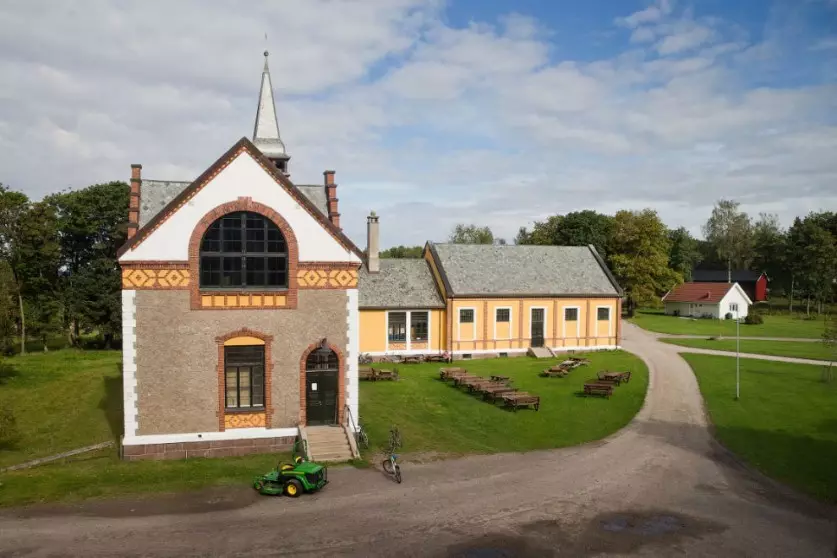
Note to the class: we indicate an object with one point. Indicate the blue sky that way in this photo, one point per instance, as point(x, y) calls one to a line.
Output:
point(433, 112)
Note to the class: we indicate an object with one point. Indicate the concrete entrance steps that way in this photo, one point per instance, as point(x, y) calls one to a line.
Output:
point(328, 443)
point(540, 352)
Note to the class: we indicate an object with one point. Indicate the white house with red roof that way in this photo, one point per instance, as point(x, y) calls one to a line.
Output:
point(707, 300)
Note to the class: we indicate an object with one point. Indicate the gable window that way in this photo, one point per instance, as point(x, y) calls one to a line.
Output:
point(418, 326)
point(243, 249)
point(571, 314)
point(244, 377)
point(397, 327)
point(603, 314)
point(466, 316)
point(503, 315)
point(733, 307)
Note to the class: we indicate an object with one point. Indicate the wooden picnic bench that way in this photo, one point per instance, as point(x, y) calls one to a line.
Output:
point(437, 358)
point(448, 373)
point(385, 374)
point(485, 384)
point(617, 377)
point(413, 359)
point(521, 399)
point(495, 392)
point(461, 379)
point(366, 373)
point(598, 388)
point(497, 378)
point(555, 372)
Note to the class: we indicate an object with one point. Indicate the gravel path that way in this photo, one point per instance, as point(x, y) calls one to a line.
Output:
point(681, 349)
point(659, 487)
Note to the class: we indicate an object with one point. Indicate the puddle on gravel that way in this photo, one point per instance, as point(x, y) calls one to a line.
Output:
point(610, 533)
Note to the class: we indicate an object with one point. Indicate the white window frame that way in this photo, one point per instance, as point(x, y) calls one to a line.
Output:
point(459, 323)
point(510, 322)
point(545, 322)
point(577, 322)
point(609, 320)
point(409, 321)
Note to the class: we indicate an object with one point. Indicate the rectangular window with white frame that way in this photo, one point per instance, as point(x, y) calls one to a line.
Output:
point(419, 326)
point(466, 316)
point(503, 315)
point(603, 314)
point(397, 328)
point(571, 326)
point(733, 307)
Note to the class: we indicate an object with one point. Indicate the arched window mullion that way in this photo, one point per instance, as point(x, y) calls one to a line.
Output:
point(253, 265)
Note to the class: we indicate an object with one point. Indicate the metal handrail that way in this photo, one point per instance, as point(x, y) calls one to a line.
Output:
point(350, 420)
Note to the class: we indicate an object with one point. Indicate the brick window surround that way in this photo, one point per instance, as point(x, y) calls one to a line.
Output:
point(268, 373)
point(341, 382)
point(242, 204)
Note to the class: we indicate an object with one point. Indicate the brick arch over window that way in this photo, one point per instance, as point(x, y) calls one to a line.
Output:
point(341, 381)
point(268, 372)
point(242, 204)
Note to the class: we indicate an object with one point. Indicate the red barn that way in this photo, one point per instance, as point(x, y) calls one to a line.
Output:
point(753, 282)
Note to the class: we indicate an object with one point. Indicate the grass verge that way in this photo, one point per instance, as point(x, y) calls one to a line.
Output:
point(785, 423)
point(773, 326)
point(798, 349)
point(436, 418)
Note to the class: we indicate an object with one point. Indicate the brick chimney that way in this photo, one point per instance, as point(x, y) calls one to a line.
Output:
point(331, 194)
point(372, 262)
point(134, 202)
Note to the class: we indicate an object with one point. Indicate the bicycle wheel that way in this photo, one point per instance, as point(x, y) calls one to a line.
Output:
point(363, 439)
point(397, 473)
point(388, 466)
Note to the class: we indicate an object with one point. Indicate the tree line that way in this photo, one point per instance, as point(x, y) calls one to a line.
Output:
point(58, 270)
point(648, 258)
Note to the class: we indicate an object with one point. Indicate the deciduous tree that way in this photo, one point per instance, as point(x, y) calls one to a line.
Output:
point(685, 252)
point(471, 234)
point(579, 228)
point(729, 231)
point(402, 252)
point(812, 254)
point(640, 256)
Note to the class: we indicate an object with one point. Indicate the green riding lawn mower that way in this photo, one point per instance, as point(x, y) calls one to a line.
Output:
point(292, 479)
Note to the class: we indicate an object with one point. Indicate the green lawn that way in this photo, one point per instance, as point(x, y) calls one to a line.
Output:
point(785, 423)
point(61, 400)
point(103, 474)
point(436, 418)
point(797, 349)
point(773, 326)
point(69, 399)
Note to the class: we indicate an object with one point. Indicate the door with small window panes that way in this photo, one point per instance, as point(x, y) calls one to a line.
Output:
point(322, 369)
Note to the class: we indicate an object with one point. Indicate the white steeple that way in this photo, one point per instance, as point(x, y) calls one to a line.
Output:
point(266, 131)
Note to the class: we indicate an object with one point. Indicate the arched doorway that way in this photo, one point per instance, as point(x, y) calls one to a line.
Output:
point(322, 372)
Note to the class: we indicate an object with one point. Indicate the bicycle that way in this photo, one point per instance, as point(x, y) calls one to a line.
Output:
point(360, 436)
point(364, 358)
point(390, 464)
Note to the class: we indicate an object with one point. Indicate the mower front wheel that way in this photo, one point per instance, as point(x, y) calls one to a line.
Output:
point(293, 488)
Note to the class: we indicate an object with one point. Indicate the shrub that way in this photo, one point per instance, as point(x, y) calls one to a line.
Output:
point(728, 316)
point(8, 428)
point(754, 318)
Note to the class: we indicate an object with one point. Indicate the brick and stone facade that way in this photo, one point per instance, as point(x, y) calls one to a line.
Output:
point(177, 357)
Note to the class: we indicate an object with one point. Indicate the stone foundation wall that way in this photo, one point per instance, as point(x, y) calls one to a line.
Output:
point(221, 448)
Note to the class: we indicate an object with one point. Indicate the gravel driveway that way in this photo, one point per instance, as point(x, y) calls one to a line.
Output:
point(660, 487)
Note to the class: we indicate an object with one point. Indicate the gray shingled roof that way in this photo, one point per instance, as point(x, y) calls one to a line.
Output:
point(155, 195)
point(317, 194)
point(523, 270)
point(400, 283)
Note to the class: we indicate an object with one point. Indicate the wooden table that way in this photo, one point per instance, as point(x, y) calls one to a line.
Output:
point(385, 374)
point(436, 358)
point(500, 378)
point(458, 380)
point(413, 359)
point(448, 373)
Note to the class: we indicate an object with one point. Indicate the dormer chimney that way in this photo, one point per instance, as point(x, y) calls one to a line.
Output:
point(331, 196)
point(372, 262)
point(134, 202)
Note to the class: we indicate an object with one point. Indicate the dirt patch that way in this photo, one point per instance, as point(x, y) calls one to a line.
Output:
point(201, 501)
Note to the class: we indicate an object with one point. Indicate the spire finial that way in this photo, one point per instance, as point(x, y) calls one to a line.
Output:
point(266, 54)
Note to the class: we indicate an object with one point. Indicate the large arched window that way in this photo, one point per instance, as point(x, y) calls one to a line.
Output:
point(243, 249)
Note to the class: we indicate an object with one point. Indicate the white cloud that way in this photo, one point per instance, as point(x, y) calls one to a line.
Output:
point(426, 123)
point(826, 43)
